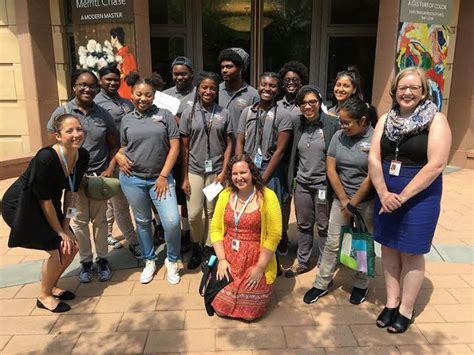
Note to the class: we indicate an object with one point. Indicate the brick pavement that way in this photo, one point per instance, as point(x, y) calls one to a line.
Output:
point(123, 316)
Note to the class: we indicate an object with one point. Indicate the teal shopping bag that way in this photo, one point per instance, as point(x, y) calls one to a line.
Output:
point(356, 247)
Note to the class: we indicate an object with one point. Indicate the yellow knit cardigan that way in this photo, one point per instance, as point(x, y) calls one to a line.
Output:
point(271, 222)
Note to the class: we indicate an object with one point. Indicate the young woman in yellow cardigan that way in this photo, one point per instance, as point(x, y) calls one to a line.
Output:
point(245, 232)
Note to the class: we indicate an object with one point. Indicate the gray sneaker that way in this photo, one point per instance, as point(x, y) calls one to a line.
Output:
point(104, 270)
point(85, 275)
point(114, 243)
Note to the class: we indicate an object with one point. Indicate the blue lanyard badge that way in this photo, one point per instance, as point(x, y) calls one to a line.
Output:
point(72, 182)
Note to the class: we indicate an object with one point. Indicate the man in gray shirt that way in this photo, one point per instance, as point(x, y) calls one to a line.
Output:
point(184, 90)
point(234, 93)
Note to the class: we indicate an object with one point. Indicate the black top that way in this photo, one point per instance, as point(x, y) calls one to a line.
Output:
point(47, 183)
point(412, 151)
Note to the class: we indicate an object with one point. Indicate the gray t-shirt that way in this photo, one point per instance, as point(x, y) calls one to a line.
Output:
point(235, 102)
point(186, 97)
point(351, 154)
point(311, 170)
point(292, 107)
point(117, 106)
point(97, 125)
point(146, 139)
point(218, 120)
point(270, 126)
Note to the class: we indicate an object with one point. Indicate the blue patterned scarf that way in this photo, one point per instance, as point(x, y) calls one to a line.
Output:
point(398, 128)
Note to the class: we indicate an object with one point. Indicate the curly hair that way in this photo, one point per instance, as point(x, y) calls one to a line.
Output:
point(231, 56)
point(297, 67)
point(155, 80)
point(256, 177)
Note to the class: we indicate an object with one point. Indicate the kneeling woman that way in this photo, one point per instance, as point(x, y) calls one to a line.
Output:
point(245, 232)
point(32, 207)
point(150, 146)
point(347, 170)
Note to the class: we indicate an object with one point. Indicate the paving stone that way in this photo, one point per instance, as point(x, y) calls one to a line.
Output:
point(135, 303)
point(315, 351)
point(16, 307)
point(187, 301)
point(91, 323)
point(79, 305)
point(4, 339)
point(46, 344)
point(456, 313)
point(251, 338)
point(287, 298)
point(469, 279)
point(20, 273)
point(368, 335)
point(181, 341)
point(219, 352)
point(31, 290)
point(370, 350)
point(284, 283)
point(9, 292)
point(434, 349)
point(344, 315)
point(152, 320)
point(120, 343)
point(428, 314)
point(319, 336)
point(160, 287)
point(462, 295)
point(198, 319)
point(285, 316)
point(436, 296)
point(456, 253)
point(449, 269)
point(444, 281)
point(6, 260)
point(26, 325)
point(106, 288)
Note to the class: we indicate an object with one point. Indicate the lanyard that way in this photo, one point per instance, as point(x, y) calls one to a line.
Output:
point(72, 182)
point(208, 127)
point(260, 126)
point(237, 216)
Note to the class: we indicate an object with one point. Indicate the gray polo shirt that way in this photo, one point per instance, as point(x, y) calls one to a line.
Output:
point(117, 106)
point(186, 97)
point(146, 139)
point(292, 107)
point(271, 127)
point(351, 154)
point(97, 125)
point(311, 170)
point(235, 102)
point(219, 124)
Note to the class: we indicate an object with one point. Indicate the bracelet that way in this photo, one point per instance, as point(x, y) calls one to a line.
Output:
point(164, 177)
point(222, 259)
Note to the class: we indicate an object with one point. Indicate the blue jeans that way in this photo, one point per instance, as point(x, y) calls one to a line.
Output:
point(140, 194)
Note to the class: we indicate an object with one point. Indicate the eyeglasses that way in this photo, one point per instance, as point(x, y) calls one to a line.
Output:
point(294, 80)
point(346, 123)
point(311, 103)
point(84, 86)
point(412, 88)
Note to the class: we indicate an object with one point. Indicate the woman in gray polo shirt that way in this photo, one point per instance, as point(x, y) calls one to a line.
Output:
point(207, 145)
point(150, 146)
point(347, 170)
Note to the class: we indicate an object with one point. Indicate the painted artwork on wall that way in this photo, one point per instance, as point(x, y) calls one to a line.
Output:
point(426, 46)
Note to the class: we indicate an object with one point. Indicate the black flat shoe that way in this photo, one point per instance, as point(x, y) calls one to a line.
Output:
point(386, 317)
point(401, 323)
point(60, 308)
point(66, 296)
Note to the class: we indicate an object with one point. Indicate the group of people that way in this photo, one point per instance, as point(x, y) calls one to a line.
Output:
point(266, 146)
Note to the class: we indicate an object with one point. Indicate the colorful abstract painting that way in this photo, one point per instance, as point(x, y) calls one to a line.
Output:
point(425, 46)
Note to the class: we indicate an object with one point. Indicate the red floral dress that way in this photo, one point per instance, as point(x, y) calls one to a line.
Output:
point(236, 300)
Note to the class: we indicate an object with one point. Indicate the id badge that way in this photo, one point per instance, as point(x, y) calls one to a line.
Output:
point(71, 212)
point(235, 244)
point(258, 160)
point(395, 166)
point(208, 166)
point(322, 195)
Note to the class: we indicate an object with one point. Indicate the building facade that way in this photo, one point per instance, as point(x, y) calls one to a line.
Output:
point(38, 54)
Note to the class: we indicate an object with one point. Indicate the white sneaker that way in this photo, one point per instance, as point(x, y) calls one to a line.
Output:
point(172, 275)
point(148, 272)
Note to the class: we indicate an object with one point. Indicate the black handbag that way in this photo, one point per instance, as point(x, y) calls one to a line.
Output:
point(210, 286)
point(30, 228)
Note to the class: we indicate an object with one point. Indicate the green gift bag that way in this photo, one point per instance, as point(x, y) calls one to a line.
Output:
point(356, 247)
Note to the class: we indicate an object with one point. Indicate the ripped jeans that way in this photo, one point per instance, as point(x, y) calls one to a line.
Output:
point(140, 194)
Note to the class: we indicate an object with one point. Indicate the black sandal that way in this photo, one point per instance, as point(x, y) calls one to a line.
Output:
point(401, 323)
point(386, 317)
point(65, 296)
